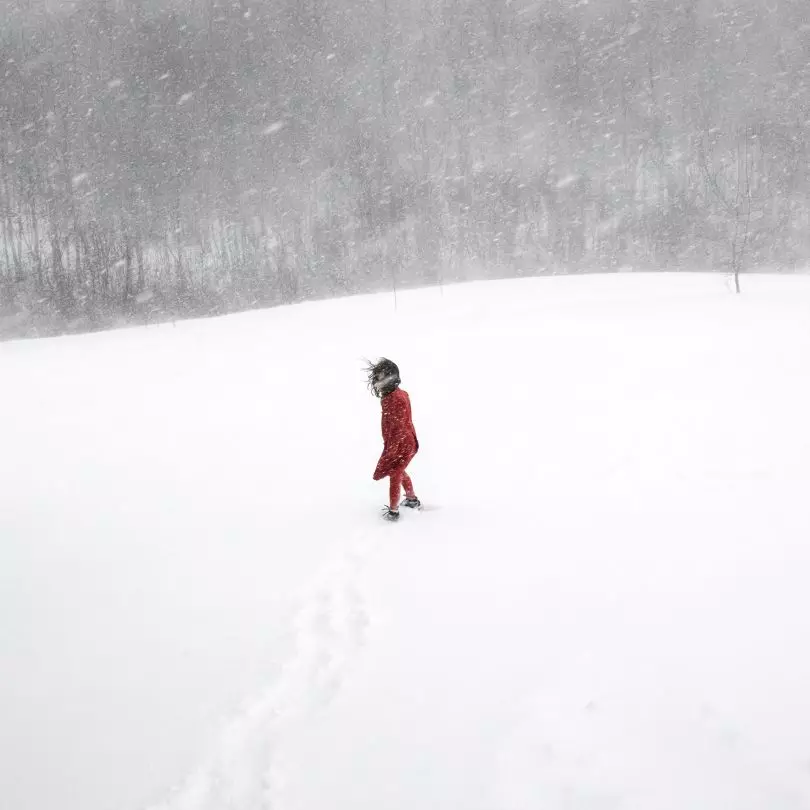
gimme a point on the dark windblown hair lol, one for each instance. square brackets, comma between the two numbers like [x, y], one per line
[384, 370]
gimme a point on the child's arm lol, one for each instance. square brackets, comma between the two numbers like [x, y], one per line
[396, 431]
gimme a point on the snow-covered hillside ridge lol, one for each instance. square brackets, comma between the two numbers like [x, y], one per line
[607, 606]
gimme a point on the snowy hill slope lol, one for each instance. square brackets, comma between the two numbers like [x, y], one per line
[199, 607]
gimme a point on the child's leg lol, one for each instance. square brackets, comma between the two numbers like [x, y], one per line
[408, 484]
[394, 489]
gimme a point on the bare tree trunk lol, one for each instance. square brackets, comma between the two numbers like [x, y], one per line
[16, 247]
[127, 269]
[6, 240]
[35, 246]
[77, 251]
[6, 217]
[62, 296]
[141, 270]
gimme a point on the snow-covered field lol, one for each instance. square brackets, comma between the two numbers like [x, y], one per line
[608, 607]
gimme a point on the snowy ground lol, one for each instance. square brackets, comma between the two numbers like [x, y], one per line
[609, 607]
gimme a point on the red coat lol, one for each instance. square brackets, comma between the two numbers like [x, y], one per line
[399, 437]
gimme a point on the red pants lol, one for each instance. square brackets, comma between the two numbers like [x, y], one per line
[399, 480]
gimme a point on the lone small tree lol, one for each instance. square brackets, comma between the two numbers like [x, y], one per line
[729, 180]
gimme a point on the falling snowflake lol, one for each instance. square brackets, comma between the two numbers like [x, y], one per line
[567, 181]
[273, 128]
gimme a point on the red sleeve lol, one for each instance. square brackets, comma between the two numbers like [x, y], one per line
[395, 420]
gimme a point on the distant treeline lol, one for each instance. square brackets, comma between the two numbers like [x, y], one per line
[192, 157]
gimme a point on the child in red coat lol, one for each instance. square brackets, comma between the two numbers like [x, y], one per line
[400, 444]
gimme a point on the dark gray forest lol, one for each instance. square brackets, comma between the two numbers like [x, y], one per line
[175, 158]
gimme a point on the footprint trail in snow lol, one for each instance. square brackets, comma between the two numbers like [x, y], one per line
[327, 631]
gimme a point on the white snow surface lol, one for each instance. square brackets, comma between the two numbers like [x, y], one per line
[607, 606]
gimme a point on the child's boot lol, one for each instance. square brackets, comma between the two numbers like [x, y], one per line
[390, 515]
[412, 503]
